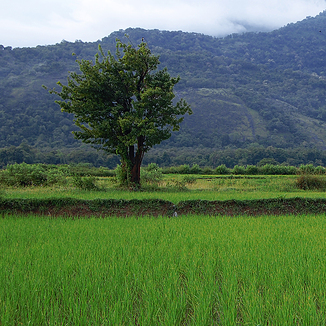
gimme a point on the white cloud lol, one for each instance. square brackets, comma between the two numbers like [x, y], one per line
[32, 22]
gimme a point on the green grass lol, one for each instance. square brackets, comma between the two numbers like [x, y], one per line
[193, 270]
[205, 188]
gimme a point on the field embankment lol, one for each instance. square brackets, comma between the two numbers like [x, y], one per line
[70, 207]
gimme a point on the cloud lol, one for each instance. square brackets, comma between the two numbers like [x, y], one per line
[32, 22]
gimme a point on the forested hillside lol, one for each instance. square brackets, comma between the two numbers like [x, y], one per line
[253, 89]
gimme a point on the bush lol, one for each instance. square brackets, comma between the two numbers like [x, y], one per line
[121, 176]
[84, 183]
[310, 182]
[306, 169]
[86, 169]
[270, 169]
[189, 180]
[180, 184]
[195, 169]
[222, 169]
[56, 177]
[207, 170]
[320, 170]
[23, 175]
[252, 170]
[238, 170]
[151, 175]
[183, 169]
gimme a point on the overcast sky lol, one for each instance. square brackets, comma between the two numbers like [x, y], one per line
[39, 22]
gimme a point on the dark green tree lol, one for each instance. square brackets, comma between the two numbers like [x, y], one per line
[123, 104]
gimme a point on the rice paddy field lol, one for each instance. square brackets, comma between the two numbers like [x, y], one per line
[188, 270]
[194, 270]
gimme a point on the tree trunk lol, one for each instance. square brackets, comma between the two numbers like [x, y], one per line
[135, 172]
[136, 161]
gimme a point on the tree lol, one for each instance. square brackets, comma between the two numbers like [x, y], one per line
[123, 104]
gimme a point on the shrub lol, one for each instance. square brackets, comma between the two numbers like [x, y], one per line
[238, 170]
[86, 169]
[252, 170]
[120, 175]
[23, 175]
[189, 180]
[152, 174]
[84, 183]
[310, 182]
[56, 177]
[270, 169]
[320, 170]
[306, 169]
[208, 170]
[222, 169]
[183, 182]
[195, 169]
[183, 169]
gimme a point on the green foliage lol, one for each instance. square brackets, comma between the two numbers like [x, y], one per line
[181, 184]
[266, 89]
[24, 175]
[189, 180]
[121, 101]
[270, 169]
[182, 169]
[85, 183]
[310, 182]
[222, 169]
[319, 170]
[121, 175]
[152, 174]
[252, 170]
[86, 169]
[195, 169]
[306, 169]
[238, 170]
[56, 177]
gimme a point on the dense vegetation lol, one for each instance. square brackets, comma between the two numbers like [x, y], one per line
[169, 157]
[253, 89]
[195, 271]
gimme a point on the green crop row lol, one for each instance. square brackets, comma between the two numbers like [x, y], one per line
[193, 270]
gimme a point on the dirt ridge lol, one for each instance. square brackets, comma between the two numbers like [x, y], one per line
[68, 207]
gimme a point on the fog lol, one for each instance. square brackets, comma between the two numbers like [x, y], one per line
[38, 22]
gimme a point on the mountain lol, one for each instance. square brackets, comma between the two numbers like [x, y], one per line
[252, 89]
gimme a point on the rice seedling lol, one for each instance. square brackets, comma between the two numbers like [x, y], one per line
[193, 270]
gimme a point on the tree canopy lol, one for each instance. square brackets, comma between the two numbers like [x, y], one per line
[123, 104]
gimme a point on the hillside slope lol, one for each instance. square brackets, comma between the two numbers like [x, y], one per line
[264, 89]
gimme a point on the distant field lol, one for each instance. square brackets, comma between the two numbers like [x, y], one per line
[205, 188]
[193, 270]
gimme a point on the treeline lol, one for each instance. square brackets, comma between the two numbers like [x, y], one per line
[267, 169]
[168, 157]
[31, 155]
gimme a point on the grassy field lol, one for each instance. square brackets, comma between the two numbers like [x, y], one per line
[190, 270]
[193, 270]
[205, 188]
